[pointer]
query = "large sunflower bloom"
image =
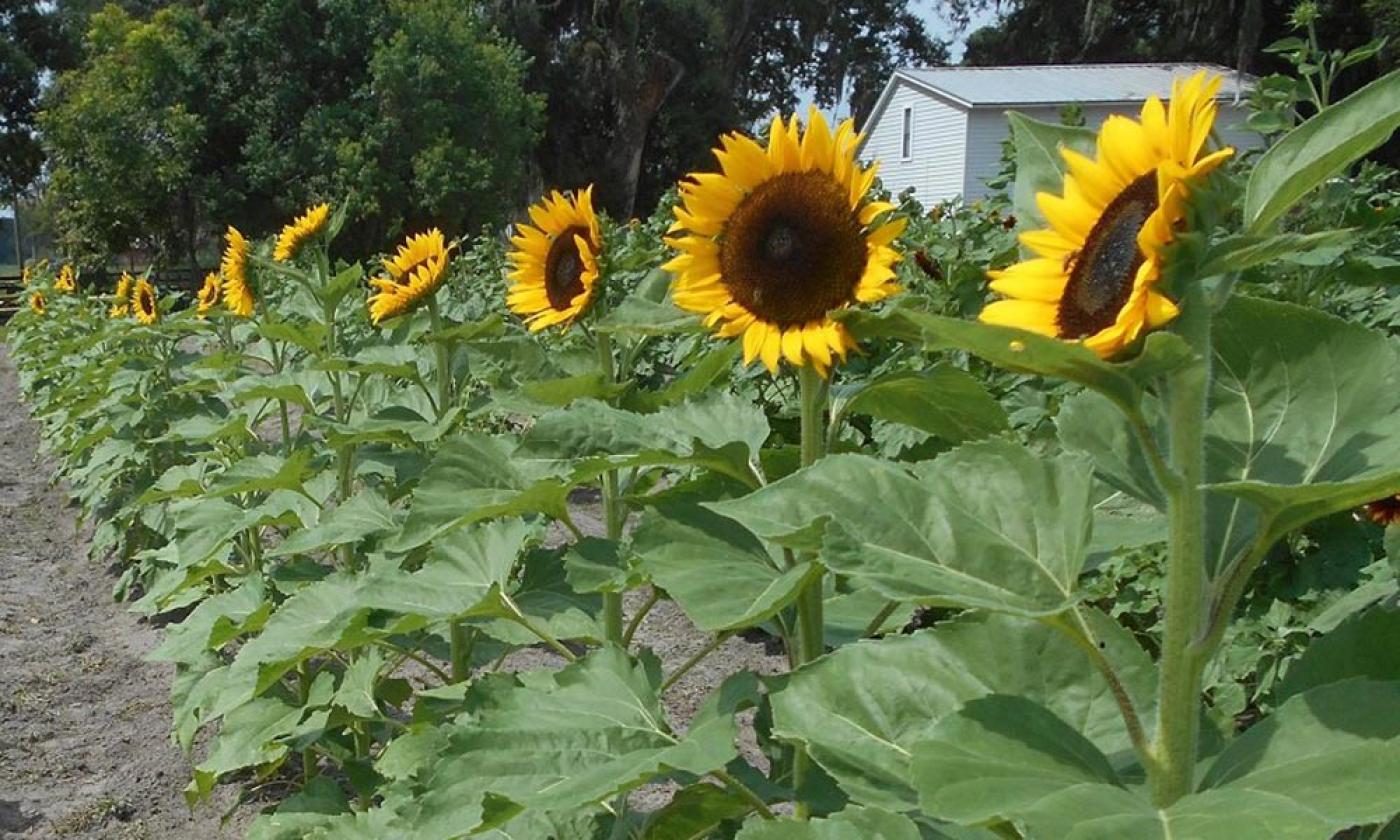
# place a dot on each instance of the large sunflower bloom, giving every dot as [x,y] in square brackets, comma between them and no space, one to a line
[779,238]
[121,298]
[556,260]
[209,294]
[1095,274]
[303,228]
[37,304]
[143,302]
[411,275]
[238,293]
[67,280]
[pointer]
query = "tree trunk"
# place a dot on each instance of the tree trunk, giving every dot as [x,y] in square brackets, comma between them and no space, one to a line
[640,98]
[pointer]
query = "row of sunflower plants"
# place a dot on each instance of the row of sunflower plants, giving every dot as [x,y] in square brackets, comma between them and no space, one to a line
[358,516]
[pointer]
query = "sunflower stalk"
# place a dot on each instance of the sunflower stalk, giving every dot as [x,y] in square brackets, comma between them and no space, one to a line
[613,512]
[1179,690]
[813,393]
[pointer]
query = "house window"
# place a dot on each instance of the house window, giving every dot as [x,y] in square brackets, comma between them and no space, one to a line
[906,140]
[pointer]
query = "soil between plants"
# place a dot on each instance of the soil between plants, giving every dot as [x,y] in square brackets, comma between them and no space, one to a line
[85,749]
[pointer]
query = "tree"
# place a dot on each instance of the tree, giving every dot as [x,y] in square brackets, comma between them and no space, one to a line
[638,91]
[31,44]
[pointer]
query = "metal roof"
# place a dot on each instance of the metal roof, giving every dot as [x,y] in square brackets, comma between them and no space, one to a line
[1055,84]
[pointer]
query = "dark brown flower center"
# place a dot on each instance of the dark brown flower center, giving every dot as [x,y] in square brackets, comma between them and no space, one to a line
[793,249]
[1102,278]
[563,268]
[148,304]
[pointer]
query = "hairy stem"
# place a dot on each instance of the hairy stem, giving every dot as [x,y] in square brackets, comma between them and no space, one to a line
[810,621]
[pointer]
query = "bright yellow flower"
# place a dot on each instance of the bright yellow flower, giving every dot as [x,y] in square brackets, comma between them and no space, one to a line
[304,227]
[25,275]
[67,280]
[412,275]
[143,302]
[238,293]
[780,238]
[121,298]
[556,260]
[36,303]
[209,294]
[1095,274]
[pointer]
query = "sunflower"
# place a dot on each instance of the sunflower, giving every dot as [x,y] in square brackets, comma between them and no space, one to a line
[25,275]
[556,260]
[1095,274]
[1385,511]
[779,238]
[143,302]
[301,229]
[412,275]
[209,294]
[238,293]
[121,298]
[67,280]
[37,304]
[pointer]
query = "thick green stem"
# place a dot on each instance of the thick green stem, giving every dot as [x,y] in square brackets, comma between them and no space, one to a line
[810,621]
[613,512]
[461,640]
[444,360]
[1179,689]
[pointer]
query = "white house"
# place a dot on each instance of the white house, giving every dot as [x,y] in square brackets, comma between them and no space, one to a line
[939,130]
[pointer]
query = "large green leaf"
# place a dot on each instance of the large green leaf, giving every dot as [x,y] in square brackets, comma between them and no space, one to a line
[1039,164]
[1365,645]
[1295,433]
[851,824]
[988,525]
[365,514]
[477,477]
[860,710]
[560,741]
[1319,149]
[1334,750]
[721,575]
[1109,812]
[943,401]
[999,754]
[1020,350]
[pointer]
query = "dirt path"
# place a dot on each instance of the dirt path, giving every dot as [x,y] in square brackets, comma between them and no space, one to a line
[84,720]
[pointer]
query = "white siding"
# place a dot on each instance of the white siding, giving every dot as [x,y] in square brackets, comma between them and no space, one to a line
[988,127]
[935,167]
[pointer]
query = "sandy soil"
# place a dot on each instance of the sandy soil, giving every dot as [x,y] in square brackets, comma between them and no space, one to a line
[85,720]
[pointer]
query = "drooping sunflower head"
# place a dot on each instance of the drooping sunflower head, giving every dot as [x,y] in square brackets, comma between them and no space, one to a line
[781,237]
[555,260]
[1384,512]
[302,229]
[67,280]
[25,275]
[410,277]
[238,292]
[1096,269]
[37,303]
[121,297]
[209,294]
[144,305]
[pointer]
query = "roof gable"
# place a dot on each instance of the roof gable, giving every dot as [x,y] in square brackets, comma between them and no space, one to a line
[1058,84]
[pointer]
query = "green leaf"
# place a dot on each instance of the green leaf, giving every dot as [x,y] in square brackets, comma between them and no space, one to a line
[364,515]
[855,823]
[1089,423]
[697,378]
[637,316]
[560,741]
[1039,165]
[477,477]
[1108,812]
[721,575]
[341,284]
[1319,149]
[1238,253]
[558,392]
[1365,645]
[943,401]
[1023,351]
[598,565]
[989,525]
[998,754]
[1334,750]
[693,812]
[860,710]
[1294,430]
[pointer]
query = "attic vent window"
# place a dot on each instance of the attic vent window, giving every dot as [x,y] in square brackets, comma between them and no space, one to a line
[906,140]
